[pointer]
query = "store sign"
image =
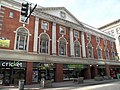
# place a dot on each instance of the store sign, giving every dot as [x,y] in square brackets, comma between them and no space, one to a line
[75,66]
[5,43]
[11,64]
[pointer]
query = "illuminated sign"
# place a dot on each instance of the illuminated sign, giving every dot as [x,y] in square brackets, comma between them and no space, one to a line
[75,66]
[11,64]
[5,43]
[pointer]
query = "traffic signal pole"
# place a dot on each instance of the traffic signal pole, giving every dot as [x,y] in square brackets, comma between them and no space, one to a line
[30,13]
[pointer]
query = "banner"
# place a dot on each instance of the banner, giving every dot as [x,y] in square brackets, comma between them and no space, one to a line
[5,43]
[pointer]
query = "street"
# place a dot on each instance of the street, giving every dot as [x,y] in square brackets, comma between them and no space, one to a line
[108,86]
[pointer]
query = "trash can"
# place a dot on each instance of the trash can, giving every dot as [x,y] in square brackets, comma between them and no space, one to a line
[21,84]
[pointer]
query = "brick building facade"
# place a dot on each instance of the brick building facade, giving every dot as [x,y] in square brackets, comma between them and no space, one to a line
[53,44]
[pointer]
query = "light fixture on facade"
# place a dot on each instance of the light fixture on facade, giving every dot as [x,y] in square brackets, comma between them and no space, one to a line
[90,65]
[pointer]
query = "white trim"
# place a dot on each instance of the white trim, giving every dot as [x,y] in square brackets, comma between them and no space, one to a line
[79,45]
[42,25]
[48,43]
[75,31]
[92,50]
[16,37]
[72,53]
[83,45]
[64,28]
[105,48]
[53,38]
[20,20]
[35,45]
[98,47]
[58,46]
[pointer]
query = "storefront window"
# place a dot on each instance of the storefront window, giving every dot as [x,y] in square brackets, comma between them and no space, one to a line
[12,71]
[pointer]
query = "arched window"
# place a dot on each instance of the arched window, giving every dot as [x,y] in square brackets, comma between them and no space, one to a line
[90,51]
[99,52]
[113,54]
[106,53]
[77,49]
[21,39]
[62,46]
[44,43]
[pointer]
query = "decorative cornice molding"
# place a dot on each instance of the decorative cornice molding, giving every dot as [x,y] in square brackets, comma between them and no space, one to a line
[27,56]
[109,24]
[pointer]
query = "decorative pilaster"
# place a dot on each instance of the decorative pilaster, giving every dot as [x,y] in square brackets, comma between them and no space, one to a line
[88,73]
[59,73]
[54,38]
[107,68]
[71,43]
[29,70]
[83,45]
[36,34]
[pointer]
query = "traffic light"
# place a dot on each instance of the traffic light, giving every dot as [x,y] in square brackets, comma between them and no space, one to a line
[24,9]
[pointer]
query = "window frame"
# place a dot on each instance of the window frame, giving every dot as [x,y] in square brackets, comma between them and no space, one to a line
[62,28]
[88,37]
[11,14]
[65,54]
[17,40]
[75,50]
[75,34]
[48,44]
[98,48]
[106,54]
[20,20]
[91,50]
[43,25]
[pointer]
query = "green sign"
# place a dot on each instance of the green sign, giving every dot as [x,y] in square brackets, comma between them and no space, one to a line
[5,43]
[80,66]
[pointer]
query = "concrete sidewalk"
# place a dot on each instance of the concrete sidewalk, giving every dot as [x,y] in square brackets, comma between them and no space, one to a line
[60,84]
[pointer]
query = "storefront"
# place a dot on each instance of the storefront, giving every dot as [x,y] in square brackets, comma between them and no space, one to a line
[41,70]
[72,71]
[12,71]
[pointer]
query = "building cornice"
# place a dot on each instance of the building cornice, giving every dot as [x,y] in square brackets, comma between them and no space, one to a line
[109,24]
[82,27]
[31,57]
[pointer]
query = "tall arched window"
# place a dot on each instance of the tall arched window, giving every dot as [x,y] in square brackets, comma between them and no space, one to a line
[113,54]
[90,51]
[77,49]
[62,46]
[44,43]
[21,39]
[106,53]
[99,52]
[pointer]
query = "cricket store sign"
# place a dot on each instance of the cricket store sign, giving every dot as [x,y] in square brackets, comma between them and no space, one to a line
[12,64]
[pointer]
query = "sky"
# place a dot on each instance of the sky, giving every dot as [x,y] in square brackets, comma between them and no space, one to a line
[92,12]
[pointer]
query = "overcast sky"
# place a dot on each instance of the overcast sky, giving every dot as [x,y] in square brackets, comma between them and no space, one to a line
[92,12]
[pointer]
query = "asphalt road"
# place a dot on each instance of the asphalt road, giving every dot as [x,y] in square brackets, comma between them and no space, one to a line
[108,86]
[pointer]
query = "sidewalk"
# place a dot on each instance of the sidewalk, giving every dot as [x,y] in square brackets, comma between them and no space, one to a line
[60,84]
